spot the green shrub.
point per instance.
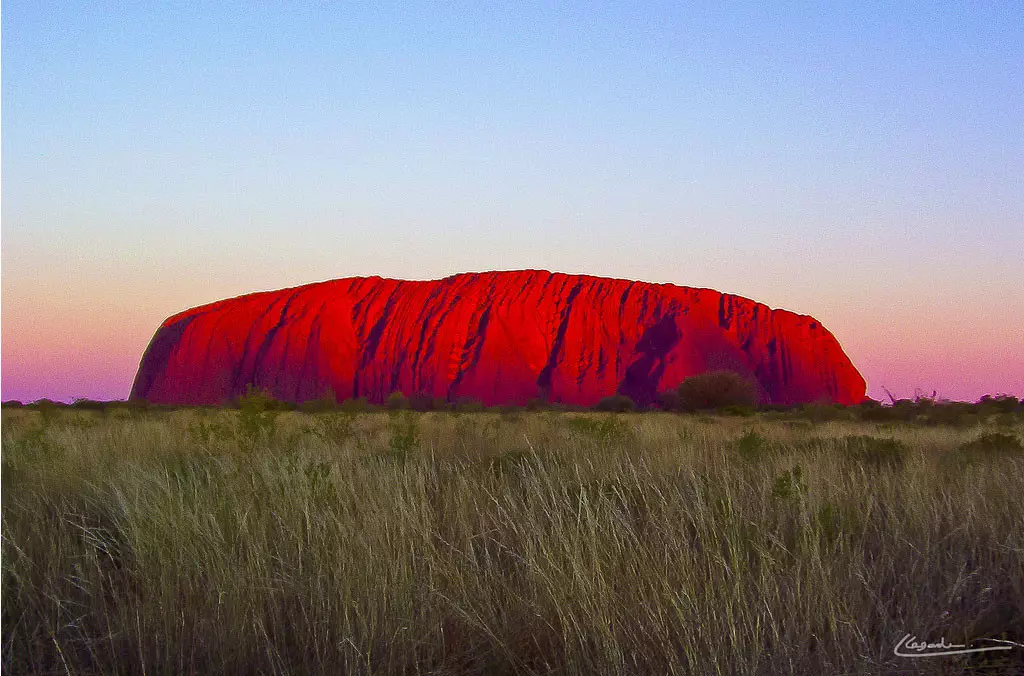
(790, 486)
(257, 418)
(48, 409)
(334, 428)
(403, 437)
(924, 410)
(467, 405)
(868, 451)
(618, 403)
(954, 414)
(873, 411)
(993, 443)
(327, 402)
(538, 404)
(1006, 419)
(824, 412)
(359, 405)
(134, 404)
(397, 402)
(906, 410)
(751, 446)
(832, 521)
(1000, 404)
(668, 400)
(716, 389)
(204, 432)
(425, 402)
(604, 430)
(983, 449)
(35, 440)
(511, 461)
(89, 405)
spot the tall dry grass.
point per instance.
(240, 542)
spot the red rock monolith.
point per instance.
(495, 337)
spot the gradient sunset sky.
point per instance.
(864, 165)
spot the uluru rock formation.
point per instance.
(496, 337)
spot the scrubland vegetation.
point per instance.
(260, 540)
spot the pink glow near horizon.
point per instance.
(101, 370)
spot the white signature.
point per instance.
(909, 646)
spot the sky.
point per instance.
(863, 164)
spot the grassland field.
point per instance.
(254, 541)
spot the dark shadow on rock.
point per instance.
(640, 382)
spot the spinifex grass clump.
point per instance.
(501, 544)
(618, 403)
(987, 447)
(869, 451)
(602, 430)
(994, 443)
(333, 428)
(752, 446)
(403, 437)
(257, 416)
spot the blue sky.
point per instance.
(863, 164)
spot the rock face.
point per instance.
(496, 337)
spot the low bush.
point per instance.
(933, 412)
(426, 402)
(954, 414)
(538, 404)
(668, 400)
(1000, 404)
(824, 412)
(603, 430)
(985, 448)
(873, 411)
(752, 446)
(716, 390)
(397, 402)
(358, 405)
(868, 451)
(403, 437)
(89, 405)
(334, 428)
(135, 404)
(467, 405)
(321, 405)
(738, 411)
(790, 485)
(993, 443)
(618, 403)
(257, 416)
